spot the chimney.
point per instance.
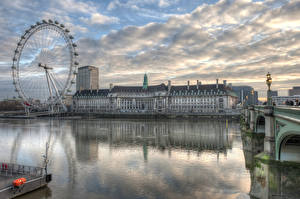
(110, 87)
(188, 84)
(217, 83)
(169, 85)
(224, 82)
(197, 84)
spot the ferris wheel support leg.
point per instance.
(50, 90)
(27, 111)
(56, 91)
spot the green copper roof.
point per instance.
(145, 84)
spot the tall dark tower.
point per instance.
(145, 84)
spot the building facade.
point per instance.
(210, 98)
(87, 78)
(294, 91)
(246, 94)
(273, 93)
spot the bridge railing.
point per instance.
(10, 169)
(289, 113)
(259, 107)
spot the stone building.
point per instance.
(209, 98)
(87, 78)
(246, 94)
(294, 91)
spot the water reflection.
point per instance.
(132, 158)
(270, 180)
(196, 136)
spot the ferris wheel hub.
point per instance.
(44, 66)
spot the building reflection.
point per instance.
(168, 135)
(86, 141)
(269, 180)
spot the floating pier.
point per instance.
(35, 179)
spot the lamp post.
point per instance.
(246, 100)
(269, 82)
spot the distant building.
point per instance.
(274, 93)
(281, 100)
(294, 91)
(246, 94)
(87, 78)
(211, 98)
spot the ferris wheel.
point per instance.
(44, 66)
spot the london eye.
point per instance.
(45, 66)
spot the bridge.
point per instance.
(281, 128)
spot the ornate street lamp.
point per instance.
(269, 82)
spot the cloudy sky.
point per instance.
(177, 40)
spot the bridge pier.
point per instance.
(269, 140)
(252, 118)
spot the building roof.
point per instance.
(99, 92)
(206, 89)
(117, 89)
(83, 67)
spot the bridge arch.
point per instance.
(289, 146)
(260, 124)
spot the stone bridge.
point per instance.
(281, 126)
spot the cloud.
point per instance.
(76, 6)
(237, 40)
(99, 19)
(233, 40)
(139, 4)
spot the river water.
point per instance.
(119, 158)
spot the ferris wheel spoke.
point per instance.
(27, 82)
(54, 39)
(58, 37)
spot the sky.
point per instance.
(178, 40)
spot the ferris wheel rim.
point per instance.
(72, 67)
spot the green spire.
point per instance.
(145, 84)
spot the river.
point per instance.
(119, 158)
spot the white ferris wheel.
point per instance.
(44, 66)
